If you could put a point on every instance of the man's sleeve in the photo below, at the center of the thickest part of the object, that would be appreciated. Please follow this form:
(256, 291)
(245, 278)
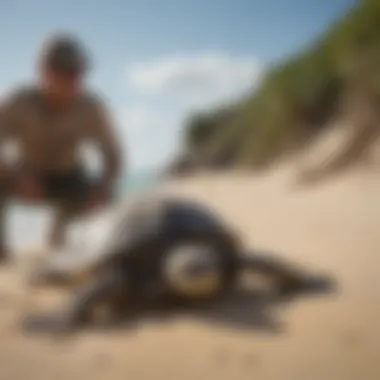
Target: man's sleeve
(104, 135)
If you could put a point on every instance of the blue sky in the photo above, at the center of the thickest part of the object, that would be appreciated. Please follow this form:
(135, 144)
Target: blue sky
(156, 60)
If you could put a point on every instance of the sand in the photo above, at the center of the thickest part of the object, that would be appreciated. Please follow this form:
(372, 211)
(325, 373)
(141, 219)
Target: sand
(331, 227)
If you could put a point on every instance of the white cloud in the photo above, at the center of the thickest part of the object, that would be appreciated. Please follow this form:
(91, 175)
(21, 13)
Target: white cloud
(195, 80)
(168, 89)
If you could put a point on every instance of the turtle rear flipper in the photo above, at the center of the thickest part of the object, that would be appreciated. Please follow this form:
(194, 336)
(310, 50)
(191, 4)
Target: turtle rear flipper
(289, 279)
(101, 290)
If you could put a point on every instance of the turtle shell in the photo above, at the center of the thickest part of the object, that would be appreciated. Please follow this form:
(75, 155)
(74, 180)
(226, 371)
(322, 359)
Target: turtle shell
(139, 232)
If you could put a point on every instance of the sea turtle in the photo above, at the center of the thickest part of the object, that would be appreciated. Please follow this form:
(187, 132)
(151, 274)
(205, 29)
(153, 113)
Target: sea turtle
(163, 247)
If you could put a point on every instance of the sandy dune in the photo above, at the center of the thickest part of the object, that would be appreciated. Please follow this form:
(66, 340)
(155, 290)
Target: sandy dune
(331, 227)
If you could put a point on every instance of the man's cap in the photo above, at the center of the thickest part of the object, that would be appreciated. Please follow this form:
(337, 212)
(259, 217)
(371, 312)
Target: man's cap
(65, 53)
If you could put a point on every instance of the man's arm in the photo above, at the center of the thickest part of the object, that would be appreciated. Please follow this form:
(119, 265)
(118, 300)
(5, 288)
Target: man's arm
(104, 135)
(8, 107)
(11, 107)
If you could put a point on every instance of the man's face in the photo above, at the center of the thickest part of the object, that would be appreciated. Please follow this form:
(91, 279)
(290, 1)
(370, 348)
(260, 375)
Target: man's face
(60, 88)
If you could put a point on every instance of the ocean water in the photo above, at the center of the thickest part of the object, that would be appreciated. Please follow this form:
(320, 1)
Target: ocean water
(28, 225)
(137, 181)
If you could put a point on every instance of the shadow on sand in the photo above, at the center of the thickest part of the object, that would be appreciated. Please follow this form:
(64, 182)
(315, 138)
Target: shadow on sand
(244, 309)
(249, 307)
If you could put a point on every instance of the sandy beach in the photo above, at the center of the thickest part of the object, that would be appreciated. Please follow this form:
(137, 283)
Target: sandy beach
(330, 227)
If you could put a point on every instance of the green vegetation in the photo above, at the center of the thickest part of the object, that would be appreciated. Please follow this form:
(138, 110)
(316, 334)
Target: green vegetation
(296, 98)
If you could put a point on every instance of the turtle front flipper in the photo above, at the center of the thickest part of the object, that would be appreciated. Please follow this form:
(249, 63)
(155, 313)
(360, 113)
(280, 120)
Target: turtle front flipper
(104, 289)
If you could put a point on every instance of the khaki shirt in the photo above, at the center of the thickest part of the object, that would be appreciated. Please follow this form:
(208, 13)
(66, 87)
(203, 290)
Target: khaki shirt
(51, 141)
